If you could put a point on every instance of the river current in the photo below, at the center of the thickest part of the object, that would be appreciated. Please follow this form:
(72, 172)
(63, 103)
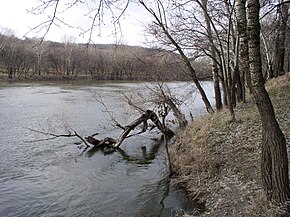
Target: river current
(56, 178)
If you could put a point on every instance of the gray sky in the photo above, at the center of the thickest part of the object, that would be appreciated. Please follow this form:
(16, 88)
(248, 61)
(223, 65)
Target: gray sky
(14, 15)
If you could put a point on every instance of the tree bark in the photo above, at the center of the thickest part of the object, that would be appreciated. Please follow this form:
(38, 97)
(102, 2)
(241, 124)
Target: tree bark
(280, 40)
(227, 74)
(274, 163)
(269, 72)
(244, 52)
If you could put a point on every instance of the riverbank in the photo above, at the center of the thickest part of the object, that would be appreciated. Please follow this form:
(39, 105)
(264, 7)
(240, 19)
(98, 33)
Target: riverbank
(4, 77)
(218, 162)
(89, 77)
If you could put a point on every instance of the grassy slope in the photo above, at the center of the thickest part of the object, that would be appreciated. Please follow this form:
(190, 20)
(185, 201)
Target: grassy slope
(218, 162)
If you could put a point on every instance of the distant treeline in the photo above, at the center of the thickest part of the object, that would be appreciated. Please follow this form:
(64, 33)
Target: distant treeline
(30, 59)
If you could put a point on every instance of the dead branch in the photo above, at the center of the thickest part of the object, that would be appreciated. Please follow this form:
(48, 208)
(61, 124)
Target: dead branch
(111, 142)
(133, 104)
(53, 136)
(99, 99)
(115, 143)
(46, 24)
(160, 94)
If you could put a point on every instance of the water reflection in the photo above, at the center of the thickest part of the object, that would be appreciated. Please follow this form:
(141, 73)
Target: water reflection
(162, 186)
(147, 156)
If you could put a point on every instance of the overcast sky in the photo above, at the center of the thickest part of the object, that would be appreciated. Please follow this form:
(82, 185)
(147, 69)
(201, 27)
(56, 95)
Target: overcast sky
(14, 15)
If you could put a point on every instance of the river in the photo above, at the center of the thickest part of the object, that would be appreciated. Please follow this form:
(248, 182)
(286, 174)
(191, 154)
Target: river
(55, 178)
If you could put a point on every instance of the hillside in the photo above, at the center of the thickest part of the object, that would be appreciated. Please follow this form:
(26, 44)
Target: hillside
(30, 59)
(218, 162)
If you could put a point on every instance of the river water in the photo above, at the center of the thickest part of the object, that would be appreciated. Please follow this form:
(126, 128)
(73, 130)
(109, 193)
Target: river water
(55, 178)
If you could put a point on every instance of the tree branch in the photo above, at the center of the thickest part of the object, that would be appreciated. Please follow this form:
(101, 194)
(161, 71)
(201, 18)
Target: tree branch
(111, 142)
(54, 136)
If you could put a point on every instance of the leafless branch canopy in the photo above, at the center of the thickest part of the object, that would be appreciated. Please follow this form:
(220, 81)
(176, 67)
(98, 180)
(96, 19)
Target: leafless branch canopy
(55, 9)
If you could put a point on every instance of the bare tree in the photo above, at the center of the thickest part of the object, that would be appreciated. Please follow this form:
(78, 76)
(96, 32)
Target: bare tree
(215, 37)
(40, 51)
(69, 54)
(161, 23)
(274, 159)
(158, 96)
(55, 58)
(274, 29)
(244, 52)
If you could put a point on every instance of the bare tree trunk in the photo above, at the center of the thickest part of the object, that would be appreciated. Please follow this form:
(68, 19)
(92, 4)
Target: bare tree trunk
(280, 40)
(10, 72)
(225, 102)
(217, 91)
(177, 113)
(227, 74)
(274, 158)
(269, 73)
(244, 52)
(236, 88)
(192, 71)
(225, 69)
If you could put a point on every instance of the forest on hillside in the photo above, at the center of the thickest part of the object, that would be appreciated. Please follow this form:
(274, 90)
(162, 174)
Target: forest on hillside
(31, 58)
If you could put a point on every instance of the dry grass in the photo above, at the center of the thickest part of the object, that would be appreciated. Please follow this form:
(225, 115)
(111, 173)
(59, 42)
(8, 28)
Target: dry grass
(218, 161)
(278, 82)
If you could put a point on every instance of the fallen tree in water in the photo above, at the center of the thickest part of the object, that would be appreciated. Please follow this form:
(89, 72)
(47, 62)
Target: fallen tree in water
(112, 142)
(115, 143)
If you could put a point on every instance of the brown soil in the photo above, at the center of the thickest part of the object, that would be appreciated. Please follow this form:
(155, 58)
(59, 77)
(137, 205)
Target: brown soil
(218, 162)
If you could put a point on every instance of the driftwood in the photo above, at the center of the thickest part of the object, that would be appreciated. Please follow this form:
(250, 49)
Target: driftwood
(101, 143)
(111, 142)
(110, 145)
(115, 143)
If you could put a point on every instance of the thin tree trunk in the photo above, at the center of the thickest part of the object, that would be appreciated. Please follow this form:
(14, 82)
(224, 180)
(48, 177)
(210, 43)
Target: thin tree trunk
(176, 112)
(224, 91)
(244, 53)
(274, 150)
(280, 40)
(269, 73)
(217, 91)
(225, 71)
(236, 86)
(241, 92)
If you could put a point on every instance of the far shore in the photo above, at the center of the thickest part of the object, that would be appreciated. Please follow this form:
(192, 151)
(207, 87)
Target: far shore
(4, 77)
